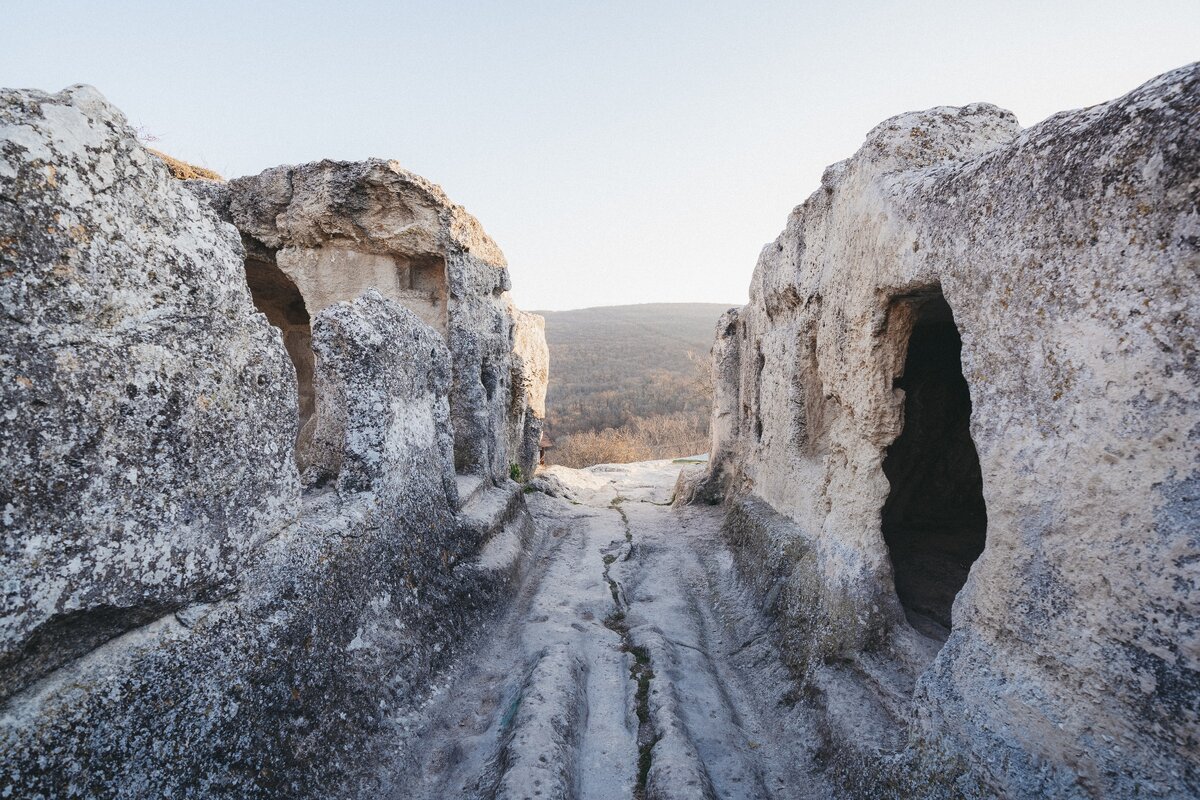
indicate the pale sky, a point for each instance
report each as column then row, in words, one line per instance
column 618, row 152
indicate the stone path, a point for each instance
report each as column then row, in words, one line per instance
column 631, row 664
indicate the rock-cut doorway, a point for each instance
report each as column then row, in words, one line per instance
column 934, row 520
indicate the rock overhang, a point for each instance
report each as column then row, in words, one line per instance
column 335, row 228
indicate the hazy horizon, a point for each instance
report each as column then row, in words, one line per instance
column 619, row 154
column 630, row 305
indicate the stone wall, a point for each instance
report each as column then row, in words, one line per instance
column 180, row 617
column 1054, row 270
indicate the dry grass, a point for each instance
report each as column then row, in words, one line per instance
column 184, row 171
column 642, row 439
column 611, row 364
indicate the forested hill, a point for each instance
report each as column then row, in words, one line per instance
column 613, row 364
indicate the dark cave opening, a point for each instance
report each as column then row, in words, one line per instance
column 934, row 519
column 279, row 299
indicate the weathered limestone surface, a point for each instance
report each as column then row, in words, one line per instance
column 372, row 435
column 335, row 228
column 530, row 379
column 1068, row 254
column 147, row 409
column 179, row 619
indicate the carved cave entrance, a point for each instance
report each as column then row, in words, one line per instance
column 277, row 297
column 934, row 519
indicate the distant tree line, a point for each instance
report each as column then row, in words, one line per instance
column 629, row 383
column 661, row 414
column 639, row 439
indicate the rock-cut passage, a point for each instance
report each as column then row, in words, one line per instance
column 934, row 520
column 632, row 663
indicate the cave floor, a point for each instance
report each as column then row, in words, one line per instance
column 631, row 663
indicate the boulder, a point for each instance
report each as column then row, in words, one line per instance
column 383, row 378
column 530, row 379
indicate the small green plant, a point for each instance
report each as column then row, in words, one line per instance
column 514, row 472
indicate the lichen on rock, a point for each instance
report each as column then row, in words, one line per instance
column 181, row 618
column 146, row 403
column 1054, row 267
column 259, row 440
column 324, row 232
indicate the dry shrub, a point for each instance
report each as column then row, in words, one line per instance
column 181, row 170
column 641, row 439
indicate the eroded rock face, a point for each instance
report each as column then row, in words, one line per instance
column 288, row 687
column 146, row 404
column 1047, row 278
column 179, row 619
column 333, row 229
column 382, row 421
column 530, row 379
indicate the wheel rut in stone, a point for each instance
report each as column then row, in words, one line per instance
column 630, row 664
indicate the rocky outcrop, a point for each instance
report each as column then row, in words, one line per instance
column 256, row 495
column 321, row 233
column 147, row 407
column 955, row 426
column 381, row 423
column 530, row 379
column 180, row 617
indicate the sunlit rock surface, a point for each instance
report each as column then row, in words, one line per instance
column 530, row 378
column 148, row 410
column 179, row 618
column 383, row 423
column 279, row 554
column 867, row 462
column 321, row 233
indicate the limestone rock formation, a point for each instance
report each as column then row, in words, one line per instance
column 180, row 618
column 147, row 407
column 365, row 351
column 256, row 498
column 530, row 379
column 956, row 426
column 321, row 233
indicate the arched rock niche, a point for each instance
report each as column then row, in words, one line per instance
column 315, row 279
